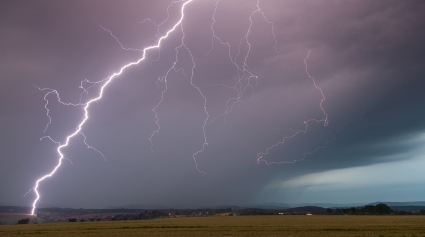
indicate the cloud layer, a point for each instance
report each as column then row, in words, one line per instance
column 366, row 57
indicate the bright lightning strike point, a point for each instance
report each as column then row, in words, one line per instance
column 87, row 105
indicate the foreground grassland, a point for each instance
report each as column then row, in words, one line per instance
column 379, row 226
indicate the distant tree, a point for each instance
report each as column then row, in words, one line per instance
column 72, row 220
column 382, row 208
column 422, row 212
column 329, row 210
column 24, row 221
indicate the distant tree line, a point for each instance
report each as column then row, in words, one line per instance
column 24, row 221
column 58, row 214
column 257, row 211
column 210, row 211
column 379, row 209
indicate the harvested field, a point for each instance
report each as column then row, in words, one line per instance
column 379, row 226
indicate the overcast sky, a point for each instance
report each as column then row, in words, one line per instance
column 357, row 131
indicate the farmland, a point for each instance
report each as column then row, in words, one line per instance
column 290, row 225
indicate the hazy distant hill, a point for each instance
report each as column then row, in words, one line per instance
column 334, row 205
column 404, row 206
column 331, row 205
column 273, row 206
column 159, row 207
column 139, row 206
column 416, row 203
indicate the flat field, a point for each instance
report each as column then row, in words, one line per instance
column 377, row 226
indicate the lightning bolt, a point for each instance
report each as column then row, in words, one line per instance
column 245, row 74
column 90, row 147
column 325, row 120
column 246, row 81
column 299, row 131
column 205, row 106
column 116, row 38
column 163, row 79
column 87, row 105
column 86, row 89
column 205, row 143
column 52, row 91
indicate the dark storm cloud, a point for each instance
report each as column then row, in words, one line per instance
column 366, row 56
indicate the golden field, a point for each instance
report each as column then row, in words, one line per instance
column 327, row 226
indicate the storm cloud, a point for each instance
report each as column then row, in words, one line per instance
column 366, row 56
